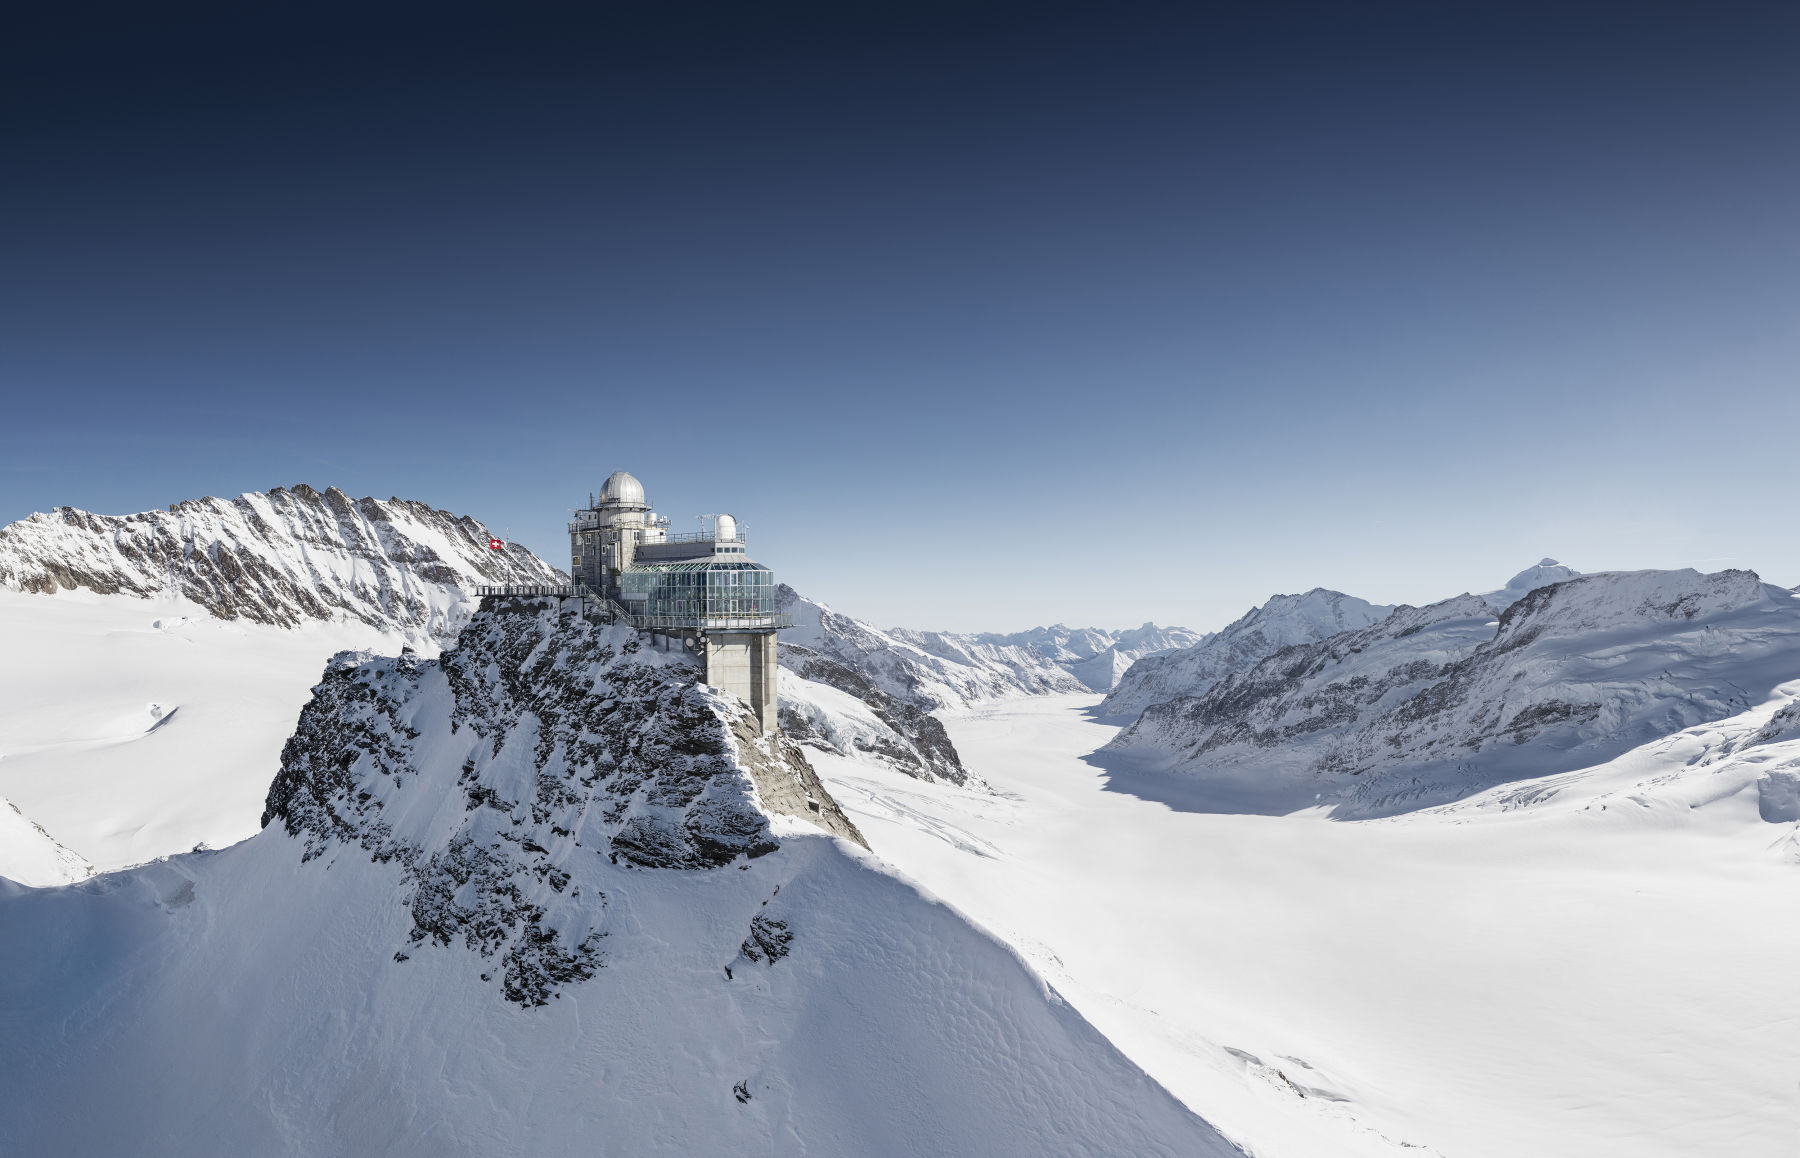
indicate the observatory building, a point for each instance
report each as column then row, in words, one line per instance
column 698, row 591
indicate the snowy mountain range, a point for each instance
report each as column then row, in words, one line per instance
column 1283, row 621
column 546, row 894
column 857, row 688
column 1427, row 705
column 282, row 558
column 1095, row 656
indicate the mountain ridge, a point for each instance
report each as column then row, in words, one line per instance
column 283, row 557
column 1431, row 703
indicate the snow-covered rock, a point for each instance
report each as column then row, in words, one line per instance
column 31, row 856
column 546, row 895
column 828, row 705
column 1283, row 621
column 285, row 558
column 900, row 677
column 1546, row 572
column 1431, row 704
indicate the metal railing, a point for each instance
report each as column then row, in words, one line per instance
column 769, row 622
column 707, row 622
column 703, row 537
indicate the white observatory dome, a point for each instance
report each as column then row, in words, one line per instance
column 622, row 488
column 726, row 529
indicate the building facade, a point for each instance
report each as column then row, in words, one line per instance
column 701, row 591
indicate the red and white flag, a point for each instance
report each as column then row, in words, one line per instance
column 495, row 545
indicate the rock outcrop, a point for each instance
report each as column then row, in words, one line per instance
column 566, row 738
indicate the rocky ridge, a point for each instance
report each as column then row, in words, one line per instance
column 1096, row 656
column 571, row 738
column 284, row 557
column 1285, row 620
column 1433, row 703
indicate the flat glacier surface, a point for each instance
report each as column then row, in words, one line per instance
column 1581, row 968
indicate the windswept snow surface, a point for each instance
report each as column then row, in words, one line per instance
column 1598, row 964
column 533, row 899
column 31, row 856
column 136, row 728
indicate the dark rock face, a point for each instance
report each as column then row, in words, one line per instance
column 923, row 748
column 282, row 558
column 768, row 940
column 540, row 739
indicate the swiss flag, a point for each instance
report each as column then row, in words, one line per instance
column 495, row 545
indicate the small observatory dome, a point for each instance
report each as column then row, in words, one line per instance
column 622, row 488
column 726, row 528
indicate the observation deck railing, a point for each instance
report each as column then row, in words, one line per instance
column 643, row 622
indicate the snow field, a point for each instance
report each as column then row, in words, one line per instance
column 137, row 728
column 236, row 1002
column 1485, row 980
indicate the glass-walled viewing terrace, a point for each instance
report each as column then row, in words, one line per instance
column 713, row 593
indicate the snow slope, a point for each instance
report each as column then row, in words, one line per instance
column 1545, row 573
column 142, row 716
column 1595, row 964
column 537, row 898
column 135, row 728
column 31, row 856
column 1283, row 621
column 1433, row 703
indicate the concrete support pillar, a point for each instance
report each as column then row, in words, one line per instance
column 763, row 680
column 742, row 664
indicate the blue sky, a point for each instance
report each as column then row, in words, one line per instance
column 979, row 316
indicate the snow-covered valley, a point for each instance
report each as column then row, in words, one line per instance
column 1599, row 963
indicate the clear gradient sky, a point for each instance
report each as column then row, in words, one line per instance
column 979, row 315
